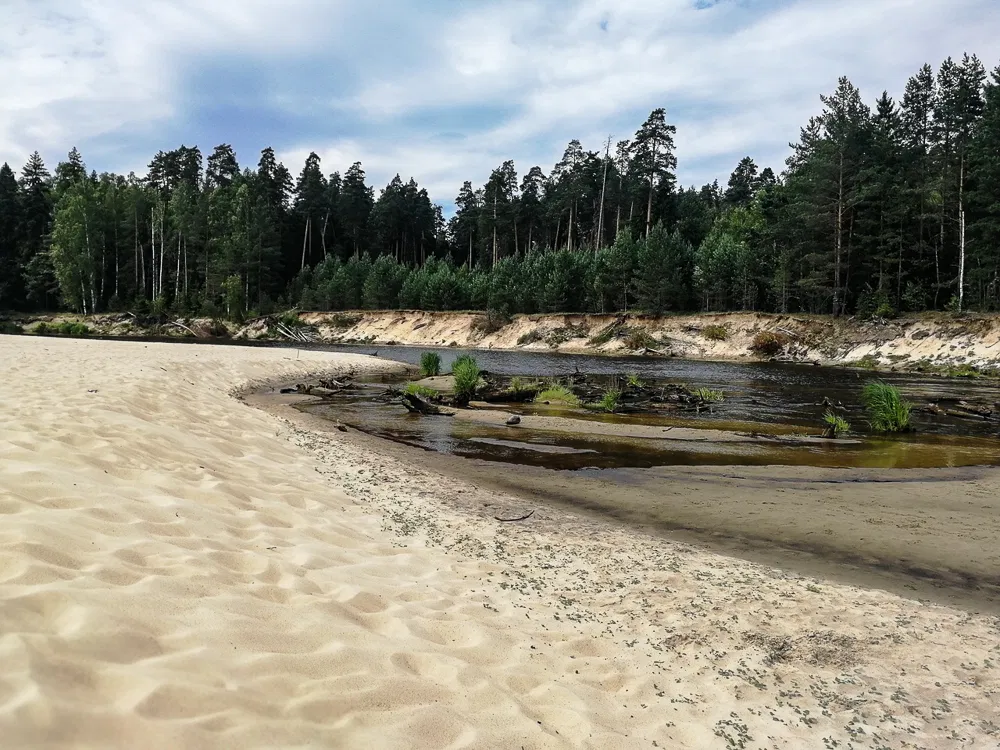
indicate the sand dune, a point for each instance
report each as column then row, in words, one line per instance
column 179, row 570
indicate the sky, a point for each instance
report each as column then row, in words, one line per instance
column 445, row 90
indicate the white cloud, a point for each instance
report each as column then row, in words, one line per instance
column 736, row 78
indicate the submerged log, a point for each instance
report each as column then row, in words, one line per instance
column 416, row 405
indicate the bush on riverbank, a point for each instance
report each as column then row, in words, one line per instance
column 466, row 373
column 887, row 412
column 768, row 344
column 558, row 394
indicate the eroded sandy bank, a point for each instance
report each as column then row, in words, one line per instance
column 179, row 570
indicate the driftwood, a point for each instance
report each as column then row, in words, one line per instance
column 512, row 520
column 416, row 405
column 181, row 325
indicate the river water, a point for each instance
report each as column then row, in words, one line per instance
column 771, row 398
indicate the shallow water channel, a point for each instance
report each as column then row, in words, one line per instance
column 767, row 411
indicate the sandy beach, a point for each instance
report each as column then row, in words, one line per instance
column 182, row 570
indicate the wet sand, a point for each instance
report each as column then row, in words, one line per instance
column 931, row 534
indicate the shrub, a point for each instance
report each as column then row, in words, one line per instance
column 768, row 344
column 606, row 334
column 708, row 395
column 44, row 329
column 639, row 338
column 559, row 394
column 867, row 362
column 529, row 338
column 466, row 372
column 415, row 389
column 836, row 425
column 73, row 329
column 715, row 333
column 218, row 329
column 430, row 364
column 610, row 400
column 633, row 380
column 887, row 412
column 489, row 323
column 341, row 320
column 10, row 327
column 290, row 319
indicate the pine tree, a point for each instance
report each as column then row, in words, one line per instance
column 742, row 183
column 653, row 156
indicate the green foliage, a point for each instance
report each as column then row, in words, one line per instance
column 430, row 364
column 708, row 396
column 768, row 344
column 610, row 400
column 867, row 362
column 633, row 380
column 415, row 389
column 887, row 412
column 558, row 394
column 291, row 319
column 466, row 373
column 638, row 339
column 715, row 333
column 65, row 328
column 836, row 425
column 10, row 327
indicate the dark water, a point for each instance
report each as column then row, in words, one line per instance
column 760, row 392
column 769, row 398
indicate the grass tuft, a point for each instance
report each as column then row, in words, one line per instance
column 708, row 395
column 430, row 364
column 887, row 412
column 558, row 394
column 611, row 400
column 415, row 389
column 836, row 425
column 715, row 333
column 767, row 344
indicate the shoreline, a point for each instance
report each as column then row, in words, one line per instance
column 938, row 344
column 179, row 569
column 773, row 532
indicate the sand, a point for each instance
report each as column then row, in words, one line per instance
column 181, row 570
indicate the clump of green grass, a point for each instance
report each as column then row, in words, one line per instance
column 715, row 333
column 836, row 425
column 466, row 373
column 633, row 380
column 887, row 412
column 610, row 400
column 10, row 327
column 415, row 389
column 708, row 396
column 74, row 329
column 430, row 364
column 558, row 394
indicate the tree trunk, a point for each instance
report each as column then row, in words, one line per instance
column 649, row 206
column 177, row 273
column 555, row 241
column 494, row 228
column 600, row 212
column 305, row 238
column 152, row 240
column 163, row 247
column 961, row 234
column 839, row 237
column 569, row 227
column 326, row 220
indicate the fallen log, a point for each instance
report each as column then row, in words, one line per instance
column 416, row 405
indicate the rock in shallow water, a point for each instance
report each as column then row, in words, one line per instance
column 511, row 421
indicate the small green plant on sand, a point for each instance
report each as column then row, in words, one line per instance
column 887, row 412
column 430, row 364
column 466, row 373
column 836, row 425
column 611, row 400
column 708, row 395
column 558, row 394
column 715, row 333
column 415, row 389
column 633, row 380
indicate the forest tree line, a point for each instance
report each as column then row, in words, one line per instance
column 893, row 206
